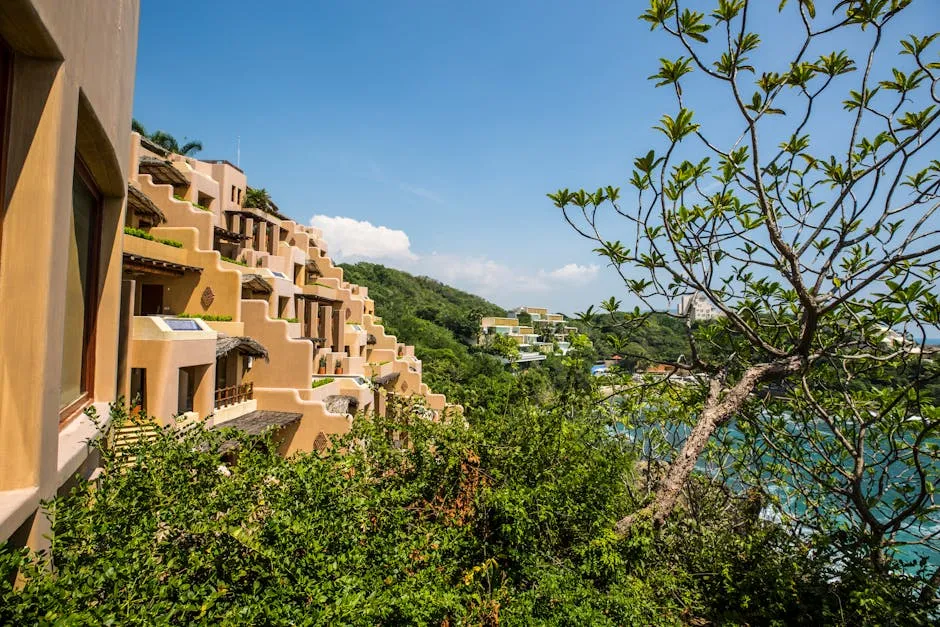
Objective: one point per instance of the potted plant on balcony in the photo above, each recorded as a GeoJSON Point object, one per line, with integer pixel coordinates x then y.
{"type": "Point", "coordinates": [322, 368]}
{"type": "Point", "coordinates": [339, 367]}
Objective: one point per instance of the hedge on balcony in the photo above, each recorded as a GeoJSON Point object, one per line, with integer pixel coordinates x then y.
{"type": "Point", "coordinates": [194, 204]}
{"type": "Point", "coordinates": [206, 317]}
{"type": "Point", "coordinates": [128, 230]}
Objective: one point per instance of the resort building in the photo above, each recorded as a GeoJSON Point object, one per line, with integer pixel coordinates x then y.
{"type": "Point", "coordinates": [552, 329]}
{"type": "Point", "coordinates": [698, 308]}
{"type": "Point", "coordinates": [66, 92]}
{"type": "Point", "coordinates": [237, 313]}
{"type": "Point", "coordinates": [537, 331]}
{"type": "Point", "coordinates": [154, 280]}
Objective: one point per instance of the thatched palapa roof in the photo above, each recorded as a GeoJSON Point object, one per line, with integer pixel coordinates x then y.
{"type": "Point", "coordinates": [138, 202]}
{"type": "Point", "coordinates": [225, 235]}
{"type": "Point", "coordinates": [256, 283]}
{"type": "Point", "coordinates": [391, 377]}
{"type": "Point", "coordinates": [341, 404]}
{"type": "Point", "coordinates": [257, 422]}
{"type": "Point", "coordinates": [153, 147]}
{"type": "Point", "coordinates": [162, 171]}
{"type": "Point", "coordinates": [244, 345]}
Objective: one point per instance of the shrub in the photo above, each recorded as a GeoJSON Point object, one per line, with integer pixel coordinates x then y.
{"type": "Point", "coordinates": [207, 317]}
{"type": "Point", "coordinates": [321, 382]}
{"type": "Point", "coordinates": [235, 261]}
{"type": "Point", "coordinates": [194, 204]}
{"type": "Point", "coordinates": [128, 230]}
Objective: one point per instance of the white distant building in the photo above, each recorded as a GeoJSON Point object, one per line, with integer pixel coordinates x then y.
{"type": "Point", "coordinates": [698, 308]}
{"type": "Point", "coordinates": [543, 333]}
{"type": "Point", "coordinates": [898, 340]}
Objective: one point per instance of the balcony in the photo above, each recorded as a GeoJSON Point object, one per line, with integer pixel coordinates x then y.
{"type": "Point", "coordinates": [155, 256]}
{"type": "Point", "coordinates": [234, 394]}
{"type": "Point", "coordinates": [320, 291]}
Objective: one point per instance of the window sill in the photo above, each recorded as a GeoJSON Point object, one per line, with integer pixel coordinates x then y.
{"type": "Point", "coordinates": [15, 508]}
{"type": "Point", "coordinates": [74, 440]}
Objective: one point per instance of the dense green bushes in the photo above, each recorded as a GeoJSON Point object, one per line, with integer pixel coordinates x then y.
{"type": "Point", "coordinates": [507, 518]}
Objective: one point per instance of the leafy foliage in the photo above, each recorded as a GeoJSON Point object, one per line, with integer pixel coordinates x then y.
{"type": "Point", "coordinates": [167, 141]}
{"type": "Point", "coordinates": [441, 322]}
{"type": "Point", "coordinates": [147, 236]}
{"type": "Point", "coordinates": [505, 519]}
{"type": "Point", "coordinates": [206, 317]}
{"type": "Point", "coordinates": [810, 250]}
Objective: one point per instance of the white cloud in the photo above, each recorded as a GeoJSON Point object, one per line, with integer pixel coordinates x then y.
{"type": "Point", "coordinates": [351, 239]}
{"type": "Point", "coordinates": [484, 275]}
{"type": "Point", "coordinates": [575, 273]}
{"type": "Point", "coordinates": [358, 239]}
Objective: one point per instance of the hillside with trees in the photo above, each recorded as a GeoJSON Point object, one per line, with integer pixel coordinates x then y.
{"type": "Point", "coordinates": [440, 321]}
{"type": "Point", "coordinates": [662, 338]}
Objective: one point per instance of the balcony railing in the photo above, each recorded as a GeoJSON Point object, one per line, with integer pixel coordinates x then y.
{"type": "Point", "coordinates": [234, 394]}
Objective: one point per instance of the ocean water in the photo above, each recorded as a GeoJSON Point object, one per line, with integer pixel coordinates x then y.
{"type": "Point", "coordinates": [793, 508]}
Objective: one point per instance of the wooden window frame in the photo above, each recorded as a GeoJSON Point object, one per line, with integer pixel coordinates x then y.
{"type": "Point", "coordinates": [90, 324]}
{"type": "Point", "coordinates": [6, 102]}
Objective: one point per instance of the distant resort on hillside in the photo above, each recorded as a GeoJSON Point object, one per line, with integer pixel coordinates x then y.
{"type": "Point", "coordinates": [537, 332]}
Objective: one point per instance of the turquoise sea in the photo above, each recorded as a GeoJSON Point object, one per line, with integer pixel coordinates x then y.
{"type": "Point", "coordinates": [792, 507]}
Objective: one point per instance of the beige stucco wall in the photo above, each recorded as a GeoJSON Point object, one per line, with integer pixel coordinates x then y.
{"type": "Point", "coordinates": [179, 213]}
{"type": "Point", "coordinates": [72, 93]}
{"type": "Point", "coordinates": [163, 352]}
{"type": "Point", "coordinates": [300, 437]}
{"type": "Point", "coordinates": [184, 294]}
{"type": "Point", "coordinates": [227, 176]}
{"type": "Point", "coordinates": [291, 364]}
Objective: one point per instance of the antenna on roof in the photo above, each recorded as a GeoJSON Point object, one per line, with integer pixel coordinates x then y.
{"type": "Point", "coordinates": [238, 150]}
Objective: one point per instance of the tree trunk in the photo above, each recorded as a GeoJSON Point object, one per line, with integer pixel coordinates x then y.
{"type": "Point", "coordinates": [928, 595]}
{"type": "Point", "coordinates": [720, 405]}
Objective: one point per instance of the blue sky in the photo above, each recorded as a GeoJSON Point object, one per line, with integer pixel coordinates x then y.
{"type": "Point", "coordinates": [440, 124]}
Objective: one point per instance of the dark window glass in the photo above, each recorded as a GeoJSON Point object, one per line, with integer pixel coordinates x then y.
{"type": "Point", "coordinates": [139, 390]}
{"type": "Point", "coordinates": [6, 82]}
{"type": "Point", "coordinates": [80, 292]}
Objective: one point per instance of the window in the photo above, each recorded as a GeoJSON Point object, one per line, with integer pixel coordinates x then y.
{"type": "Point", "coordinates": [81, 295]}
{"type": "Point", "coordinates": [204, 200]}
{"type": "Point", "coordinates": [187, 389]}
{"type": "Point", "coordinates": [151, 300]}
{"type": "Point", "coordinates": [139, 390]}
{"type": "Point", "coordinates": [233, 193]}
{"type": "Point", "coordinates": [6, 74]}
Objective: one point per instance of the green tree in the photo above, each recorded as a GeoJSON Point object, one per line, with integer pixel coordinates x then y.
{"type": "Point", "coordinates": [503, 346]}
{"type": "Point", "coordinates": [257, 198]}
{"type": "Point", "coordinates": [167, 141]}
{"type": "Point", "coordinates": [809, 250]}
